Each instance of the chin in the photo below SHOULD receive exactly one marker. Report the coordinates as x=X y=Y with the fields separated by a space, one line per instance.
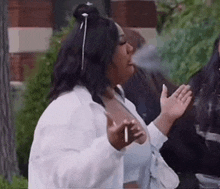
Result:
x=131 y=71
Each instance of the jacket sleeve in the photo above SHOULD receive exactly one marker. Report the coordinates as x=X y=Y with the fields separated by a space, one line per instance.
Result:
x=162 y=176
x=74 y=154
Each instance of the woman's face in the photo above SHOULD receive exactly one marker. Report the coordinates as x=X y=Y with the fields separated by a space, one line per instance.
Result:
x=121 y=68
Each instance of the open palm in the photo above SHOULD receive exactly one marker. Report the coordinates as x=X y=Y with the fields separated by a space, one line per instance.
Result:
x=175 y=105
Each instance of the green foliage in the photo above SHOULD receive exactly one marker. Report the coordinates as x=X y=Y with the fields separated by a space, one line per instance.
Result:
x=170 y=9
x=188 y=40
x=17 y=183
x=35 y=97
x=193 y=15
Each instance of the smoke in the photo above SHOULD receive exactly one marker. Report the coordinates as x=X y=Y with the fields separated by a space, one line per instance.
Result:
x=148 y=58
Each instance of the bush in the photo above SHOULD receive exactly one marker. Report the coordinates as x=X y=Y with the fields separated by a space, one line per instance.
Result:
x=188 y=41
x=17 y=183
x=35 y=98
x=170 y=11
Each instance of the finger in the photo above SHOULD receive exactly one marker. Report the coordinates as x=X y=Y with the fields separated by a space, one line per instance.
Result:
x=138 y=134
x=164 y=92
x=124 y=124
x=184 y=92
x=178 y=91
x=135 y=129
x=134 y=126
x=110 y=121
x=188 y=100
x=189 y=93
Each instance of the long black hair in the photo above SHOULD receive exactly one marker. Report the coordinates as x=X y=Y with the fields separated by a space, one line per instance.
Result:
x=206 y=88
x=100 y=44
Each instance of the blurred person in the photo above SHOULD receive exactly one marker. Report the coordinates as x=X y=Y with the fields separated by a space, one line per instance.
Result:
x=206 y=88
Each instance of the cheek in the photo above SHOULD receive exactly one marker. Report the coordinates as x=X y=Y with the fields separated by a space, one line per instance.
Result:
x=121 y=53
x=118 y=61
x=115 y=57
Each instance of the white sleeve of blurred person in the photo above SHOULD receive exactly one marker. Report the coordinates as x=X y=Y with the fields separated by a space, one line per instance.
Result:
x=71 y=149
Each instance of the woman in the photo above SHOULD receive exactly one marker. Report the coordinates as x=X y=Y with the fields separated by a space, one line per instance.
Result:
x=206 y=88
x=77 y=144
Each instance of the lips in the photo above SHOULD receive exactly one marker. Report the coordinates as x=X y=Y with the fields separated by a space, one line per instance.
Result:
x=130 y=63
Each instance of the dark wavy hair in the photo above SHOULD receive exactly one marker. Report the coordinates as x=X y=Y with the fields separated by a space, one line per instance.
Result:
x=206 y=88
x=100 y=44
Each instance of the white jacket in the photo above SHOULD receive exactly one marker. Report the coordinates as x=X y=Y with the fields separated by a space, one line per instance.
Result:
x=71 y=150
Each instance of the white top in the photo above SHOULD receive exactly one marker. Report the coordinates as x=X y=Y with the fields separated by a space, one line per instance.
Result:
x=71 y=150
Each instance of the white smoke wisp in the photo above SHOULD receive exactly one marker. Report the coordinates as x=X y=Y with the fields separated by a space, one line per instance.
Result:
x=147 y=57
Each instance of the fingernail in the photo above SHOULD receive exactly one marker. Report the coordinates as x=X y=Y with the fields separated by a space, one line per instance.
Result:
x=125 y=121
x=164 y=86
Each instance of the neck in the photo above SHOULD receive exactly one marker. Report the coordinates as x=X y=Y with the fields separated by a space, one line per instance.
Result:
x=109 y=93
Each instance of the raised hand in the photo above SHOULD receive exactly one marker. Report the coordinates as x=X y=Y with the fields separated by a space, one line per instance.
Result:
x=176 y=104
x=172 y=107
x=116 y=133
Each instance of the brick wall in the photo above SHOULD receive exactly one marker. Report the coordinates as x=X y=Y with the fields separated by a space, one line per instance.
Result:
x=30 y=13
x=27 y=15
x=137 y=15
x=22 y=65
x=140 y=14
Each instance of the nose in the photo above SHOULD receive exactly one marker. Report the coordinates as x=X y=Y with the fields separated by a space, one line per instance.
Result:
x=130 y=48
